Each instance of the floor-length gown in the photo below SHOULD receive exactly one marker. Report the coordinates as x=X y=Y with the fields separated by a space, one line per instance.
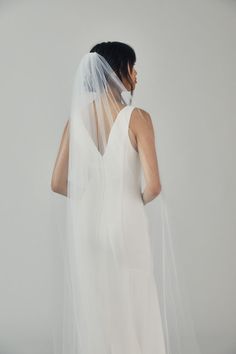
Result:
x=118 y=307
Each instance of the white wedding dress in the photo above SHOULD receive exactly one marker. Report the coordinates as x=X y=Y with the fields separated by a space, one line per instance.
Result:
x=119 y=299
x=121 y=290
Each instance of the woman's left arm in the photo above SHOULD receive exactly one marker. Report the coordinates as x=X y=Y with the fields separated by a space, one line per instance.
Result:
x=60 y=170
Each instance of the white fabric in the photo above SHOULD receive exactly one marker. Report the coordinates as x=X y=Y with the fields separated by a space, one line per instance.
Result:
x=121 y=293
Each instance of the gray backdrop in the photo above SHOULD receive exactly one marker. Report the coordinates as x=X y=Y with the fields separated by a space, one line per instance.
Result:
x=186 y=80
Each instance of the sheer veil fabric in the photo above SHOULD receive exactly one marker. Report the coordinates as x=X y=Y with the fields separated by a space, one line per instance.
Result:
x=95 y=259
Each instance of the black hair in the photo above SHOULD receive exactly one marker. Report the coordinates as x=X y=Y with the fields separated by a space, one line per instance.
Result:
x=118 y=55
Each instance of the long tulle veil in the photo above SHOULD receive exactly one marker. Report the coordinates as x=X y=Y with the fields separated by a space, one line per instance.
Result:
x=99 y=93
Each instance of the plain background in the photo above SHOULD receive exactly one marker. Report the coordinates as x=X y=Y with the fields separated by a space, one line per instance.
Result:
x=186 y=79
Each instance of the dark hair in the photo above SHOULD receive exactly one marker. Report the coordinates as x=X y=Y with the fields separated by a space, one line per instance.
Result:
x=118 y=55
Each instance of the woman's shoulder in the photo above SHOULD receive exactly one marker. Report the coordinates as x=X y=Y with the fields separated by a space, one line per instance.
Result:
x=139 y=112
x=140 y=121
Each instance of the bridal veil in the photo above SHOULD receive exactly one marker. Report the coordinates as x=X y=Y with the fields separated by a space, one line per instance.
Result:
x=97 y=98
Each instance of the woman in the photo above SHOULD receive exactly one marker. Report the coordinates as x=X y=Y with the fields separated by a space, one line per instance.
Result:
x=140 y=130
x=111 y=303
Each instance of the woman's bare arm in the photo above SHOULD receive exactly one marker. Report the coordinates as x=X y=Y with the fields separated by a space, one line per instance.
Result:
x=145 y=139
x=60 y=170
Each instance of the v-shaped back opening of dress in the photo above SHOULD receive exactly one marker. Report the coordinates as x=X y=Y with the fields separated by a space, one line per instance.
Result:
x=100 y=127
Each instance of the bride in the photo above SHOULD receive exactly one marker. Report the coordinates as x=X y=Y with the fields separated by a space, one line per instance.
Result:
x=116 y=297
x=140 y=130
